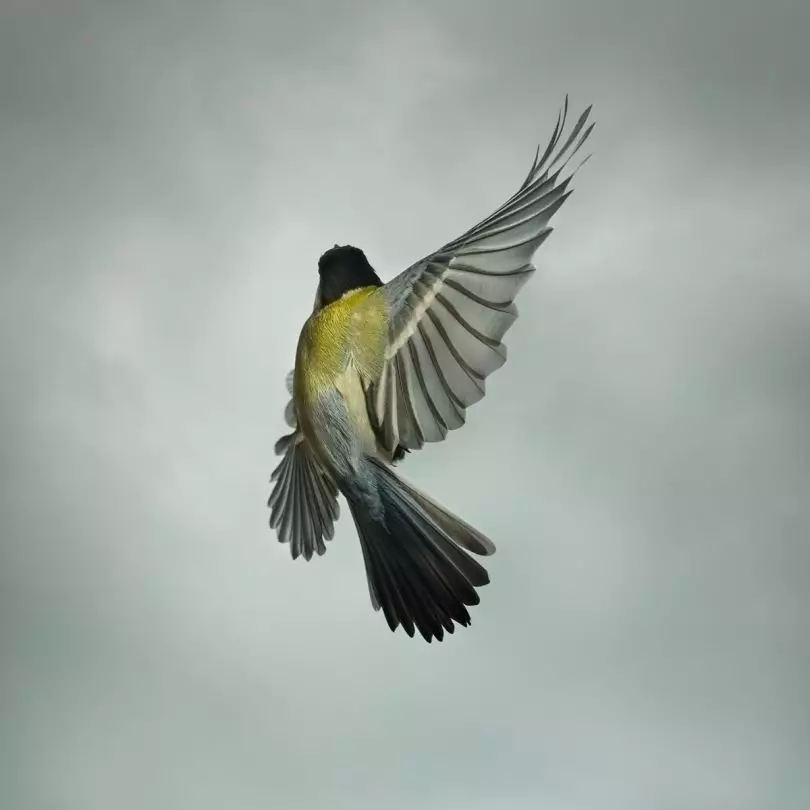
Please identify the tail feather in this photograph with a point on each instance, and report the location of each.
(415, 552)
(464, 534)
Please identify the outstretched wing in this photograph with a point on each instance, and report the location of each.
(303, 503)
(450, 310)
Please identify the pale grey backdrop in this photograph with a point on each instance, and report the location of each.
(169, 174)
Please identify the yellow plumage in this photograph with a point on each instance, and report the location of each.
(341, 347)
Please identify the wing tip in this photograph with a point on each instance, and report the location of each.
(579, 134)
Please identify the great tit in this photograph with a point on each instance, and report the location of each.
(382, 369)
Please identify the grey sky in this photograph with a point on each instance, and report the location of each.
(170, 174)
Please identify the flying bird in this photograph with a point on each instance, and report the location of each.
(381, 369)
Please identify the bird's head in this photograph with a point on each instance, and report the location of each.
(343, 268)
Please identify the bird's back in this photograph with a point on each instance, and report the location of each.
(340, 347)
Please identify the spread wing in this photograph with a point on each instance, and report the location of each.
(450, 310)
(303, 503)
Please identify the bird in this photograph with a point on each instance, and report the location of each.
(381, 369)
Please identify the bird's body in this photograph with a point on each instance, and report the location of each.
(380, 370)
(340, 349)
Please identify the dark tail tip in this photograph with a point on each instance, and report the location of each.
(418, 574)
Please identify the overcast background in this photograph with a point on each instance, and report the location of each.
(169, 175)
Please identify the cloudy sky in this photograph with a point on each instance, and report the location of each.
(169, 175)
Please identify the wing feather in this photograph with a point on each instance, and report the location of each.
(303, 502)
(450, 311)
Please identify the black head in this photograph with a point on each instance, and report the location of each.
(343, 268)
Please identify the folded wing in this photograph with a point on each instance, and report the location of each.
(450, 310)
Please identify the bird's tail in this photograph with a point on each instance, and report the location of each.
(418, 568)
